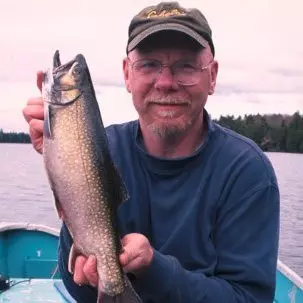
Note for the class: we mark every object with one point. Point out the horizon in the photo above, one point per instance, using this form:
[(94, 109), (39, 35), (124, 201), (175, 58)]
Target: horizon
[(242, 117)]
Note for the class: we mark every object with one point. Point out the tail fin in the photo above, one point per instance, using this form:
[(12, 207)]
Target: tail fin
[(128, 296)]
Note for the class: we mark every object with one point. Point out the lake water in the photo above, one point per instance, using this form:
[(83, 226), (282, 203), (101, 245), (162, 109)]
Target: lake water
[(25, 195)]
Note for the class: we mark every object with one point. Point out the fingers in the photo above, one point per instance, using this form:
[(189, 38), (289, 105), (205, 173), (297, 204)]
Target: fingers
[(39, 80), (90, 270), (85, 271), (133, 265), (36, 128), (34, 115), (127, 255), (36, 134), (34, 106), (137, 253), (127, 239), (123, 258), (129, 250), (33, 110), (130, 258), (79, 276), (35, 101)]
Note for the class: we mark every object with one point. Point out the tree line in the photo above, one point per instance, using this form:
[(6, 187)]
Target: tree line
[(273, 133), (14, 137)]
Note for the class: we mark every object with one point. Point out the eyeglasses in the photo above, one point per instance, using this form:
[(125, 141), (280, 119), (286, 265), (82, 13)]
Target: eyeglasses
[(184, 72)]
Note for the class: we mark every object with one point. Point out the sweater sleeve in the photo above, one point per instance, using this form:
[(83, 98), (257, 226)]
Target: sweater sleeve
[(246, 239)]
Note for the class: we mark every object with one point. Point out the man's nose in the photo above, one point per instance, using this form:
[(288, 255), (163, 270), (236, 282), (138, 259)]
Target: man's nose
[(165, 79)]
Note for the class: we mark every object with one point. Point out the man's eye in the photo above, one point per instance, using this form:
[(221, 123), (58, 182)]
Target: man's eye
[(147, 66), (185, 66)]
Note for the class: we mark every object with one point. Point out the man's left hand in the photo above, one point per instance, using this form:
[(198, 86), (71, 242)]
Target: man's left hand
[(137, 253)]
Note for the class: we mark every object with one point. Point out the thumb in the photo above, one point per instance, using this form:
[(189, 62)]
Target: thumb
[(40, 76)]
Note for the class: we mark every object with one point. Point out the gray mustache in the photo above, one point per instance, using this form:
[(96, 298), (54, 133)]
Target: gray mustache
[(167, 101)]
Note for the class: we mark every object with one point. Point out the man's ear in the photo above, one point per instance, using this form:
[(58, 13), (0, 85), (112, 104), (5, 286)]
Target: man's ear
[(126, 74), (213, 77)]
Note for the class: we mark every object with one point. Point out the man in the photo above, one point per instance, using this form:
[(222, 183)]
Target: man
[(202, 221)]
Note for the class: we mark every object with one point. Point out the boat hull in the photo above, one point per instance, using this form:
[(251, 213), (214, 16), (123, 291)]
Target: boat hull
[(29, 251)]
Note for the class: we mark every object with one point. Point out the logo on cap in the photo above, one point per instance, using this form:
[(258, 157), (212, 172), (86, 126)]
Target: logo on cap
[(164, 13)]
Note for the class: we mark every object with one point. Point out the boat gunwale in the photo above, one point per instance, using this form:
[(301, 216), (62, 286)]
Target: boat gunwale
[(290, 274), (7, 226)]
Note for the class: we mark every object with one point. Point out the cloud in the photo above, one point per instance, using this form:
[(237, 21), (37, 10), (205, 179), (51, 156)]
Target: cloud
[(254, 103), (289, 72), (238, 87), (259, 80), (258, 47)]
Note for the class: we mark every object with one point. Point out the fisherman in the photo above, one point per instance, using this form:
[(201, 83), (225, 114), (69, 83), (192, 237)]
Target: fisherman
[(202, 220)]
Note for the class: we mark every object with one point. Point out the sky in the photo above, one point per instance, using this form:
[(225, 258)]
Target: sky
[(259, 48)]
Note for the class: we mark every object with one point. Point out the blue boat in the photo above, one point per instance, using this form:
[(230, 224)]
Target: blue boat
[(28, 265), (28, 268)]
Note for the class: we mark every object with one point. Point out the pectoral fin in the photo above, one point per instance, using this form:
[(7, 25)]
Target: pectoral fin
[(58, 207), (47, 121), (74, 252)]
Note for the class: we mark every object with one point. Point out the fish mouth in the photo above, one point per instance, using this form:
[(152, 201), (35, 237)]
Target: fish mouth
[(62, 80), (59, 70), (58, 67), (69, 66)]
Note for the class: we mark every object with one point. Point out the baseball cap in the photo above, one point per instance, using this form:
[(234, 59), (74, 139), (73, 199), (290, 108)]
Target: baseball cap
[(169, 16)]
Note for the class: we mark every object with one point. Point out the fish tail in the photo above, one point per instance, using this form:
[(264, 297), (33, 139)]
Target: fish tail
[(128, 296), (100, 296)]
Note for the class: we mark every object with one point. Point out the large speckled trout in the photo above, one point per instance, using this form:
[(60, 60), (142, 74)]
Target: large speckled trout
[(86, 184)]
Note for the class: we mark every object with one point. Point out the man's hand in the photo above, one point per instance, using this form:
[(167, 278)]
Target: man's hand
[(34, 115), (85, 271), (137, 255)]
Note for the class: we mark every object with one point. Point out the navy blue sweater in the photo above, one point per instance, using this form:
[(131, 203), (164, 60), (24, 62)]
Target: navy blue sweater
[(212, 219)]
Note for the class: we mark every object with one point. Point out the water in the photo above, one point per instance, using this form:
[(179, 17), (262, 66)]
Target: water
[(25, 195), (24, 191), (289, 170)]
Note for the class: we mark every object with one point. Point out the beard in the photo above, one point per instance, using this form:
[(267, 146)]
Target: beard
[(169, 128), (169, 132), (169, 124)]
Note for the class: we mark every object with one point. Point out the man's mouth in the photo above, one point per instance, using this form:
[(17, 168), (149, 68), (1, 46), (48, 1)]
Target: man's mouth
[(169, 103)]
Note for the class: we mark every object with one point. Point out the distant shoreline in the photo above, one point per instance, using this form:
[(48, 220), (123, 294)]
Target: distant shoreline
[(272, 133), (15, 142)]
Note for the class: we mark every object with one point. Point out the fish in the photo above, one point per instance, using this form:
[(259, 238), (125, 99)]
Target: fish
[(86, 184)]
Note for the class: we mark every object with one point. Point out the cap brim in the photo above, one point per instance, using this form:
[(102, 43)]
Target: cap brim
[(162, 27)]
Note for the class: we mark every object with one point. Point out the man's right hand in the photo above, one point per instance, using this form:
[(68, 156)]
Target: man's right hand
[(85, 271), (33, 113)]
